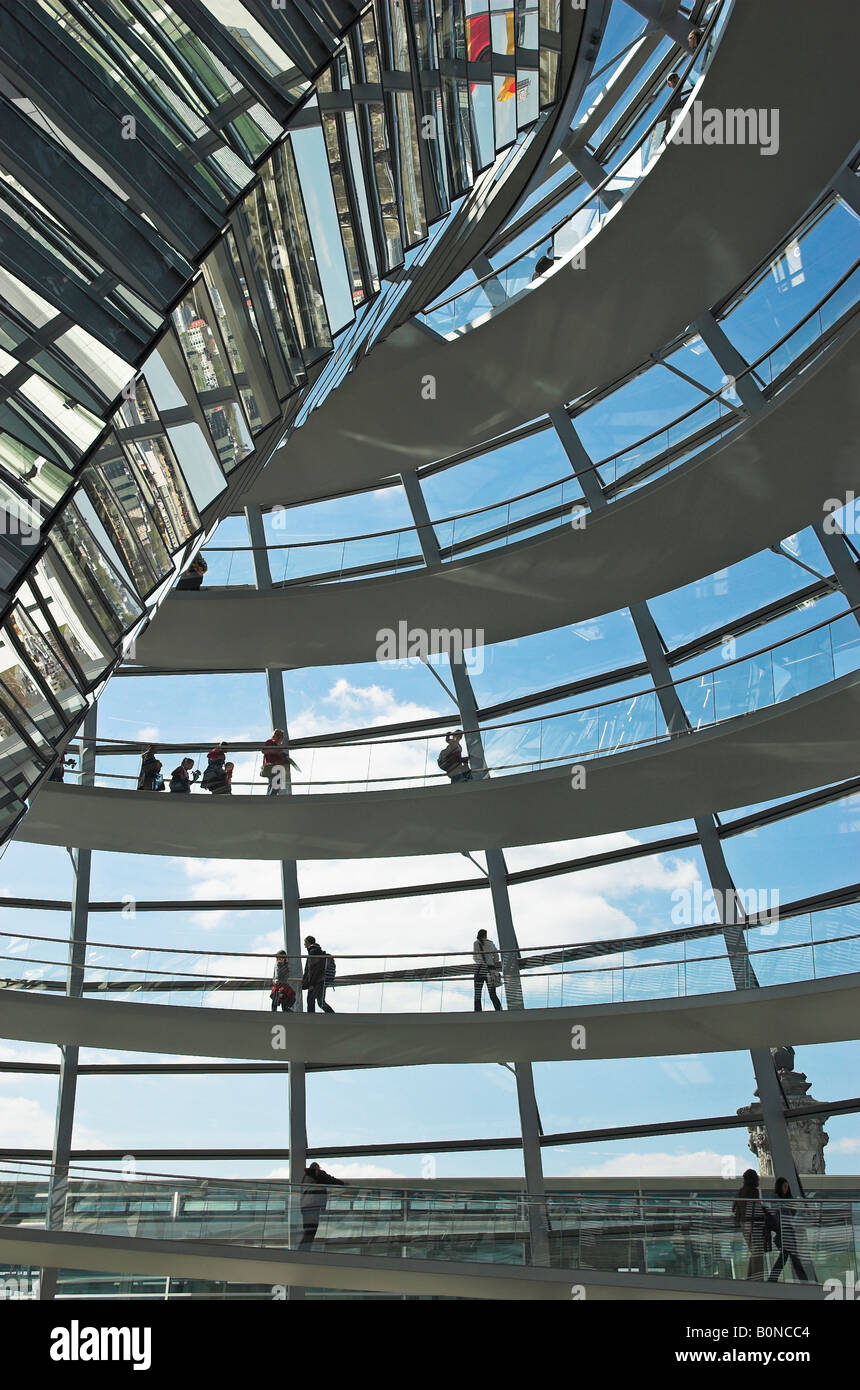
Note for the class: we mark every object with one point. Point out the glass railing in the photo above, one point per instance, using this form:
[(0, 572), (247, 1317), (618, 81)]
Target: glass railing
[(555, 505), (806, 661), (778, 951), (638, 1233), (635, 153)]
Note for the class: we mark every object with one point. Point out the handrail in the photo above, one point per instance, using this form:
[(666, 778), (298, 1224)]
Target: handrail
[(607, 946), (708, 398), (117, 747), (90, 1171), (380, 977)]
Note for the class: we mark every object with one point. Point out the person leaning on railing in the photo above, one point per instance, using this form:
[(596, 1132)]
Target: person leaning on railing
[(314, 1199), (452, 760), (193, 576), (275, 762), (150, 778), (750, 1214)]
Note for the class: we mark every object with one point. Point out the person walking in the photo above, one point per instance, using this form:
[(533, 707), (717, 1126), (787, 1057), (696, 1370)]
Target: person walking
[(785, 1234), (452, 760), (283, 996), (314, 1199), (313, 979), (276, 759), (750, 1216), (487, 970), (182, 777), (150, 778)]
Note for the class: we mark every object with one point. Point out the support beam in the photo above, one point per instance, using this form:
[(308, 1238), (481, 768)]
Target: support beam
[(498, 878), (731, 910), (492, 285), (291, 914), (64, 1122), (579, 459), (842, 561), (417, 505), (663, 14), (593, 174), (735, 367)]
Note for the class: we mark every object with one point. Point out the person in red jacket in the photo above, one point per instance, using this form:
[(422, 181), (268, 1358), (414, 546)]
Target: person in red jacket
[(275, 762)]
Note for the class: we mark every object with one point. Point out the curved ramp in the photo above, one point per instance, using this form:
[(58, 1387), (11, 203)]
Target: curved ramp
[(814, 1011), (240, 1264), (753, 489), (697, 225), (805, 742)]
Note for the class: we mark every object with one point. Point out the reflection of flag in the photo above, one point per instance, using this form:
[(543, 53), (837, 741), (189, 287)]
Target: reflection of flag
[(478, 47)]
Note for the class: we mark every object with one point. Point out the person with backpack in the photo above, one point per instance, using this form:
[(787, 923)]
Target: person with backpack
[(224, 785), (452, 760), (785, 1234), (314, 1199), (275, 762), (150, 778), (751, 1218), (487, 970), (314, 977), (182, 777), (213, 773), (283, 996)]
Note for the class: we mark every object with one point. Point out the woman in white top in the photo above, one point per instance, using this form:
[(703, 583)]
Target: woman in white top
[(487, 970)]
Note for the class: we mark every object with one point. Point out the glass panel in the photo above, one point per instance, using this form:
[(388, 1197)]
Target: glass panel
[(129, 526), (77, 623), (117, 608), (21, 683), (156, 466)]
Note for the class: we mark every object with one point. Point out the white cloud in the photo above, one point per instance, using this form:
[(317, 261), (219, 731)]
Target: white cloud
[(849, 1145), (34, 1052), (25, 1123), (702, 1163), (687, 1071)]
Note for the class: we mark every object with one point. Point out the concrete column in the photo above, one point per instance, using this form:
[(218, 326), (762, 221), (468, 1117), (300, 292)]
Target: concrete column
[(68, 1082), (290, 903)]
